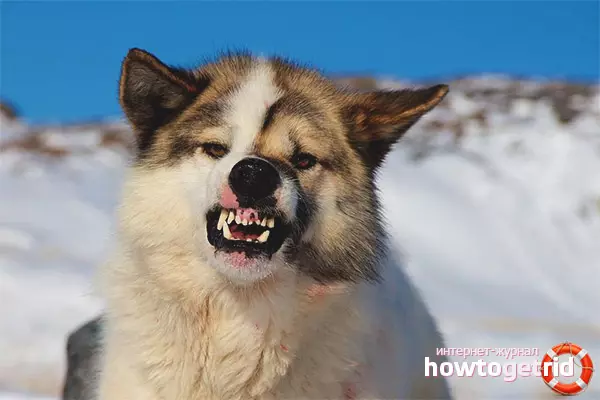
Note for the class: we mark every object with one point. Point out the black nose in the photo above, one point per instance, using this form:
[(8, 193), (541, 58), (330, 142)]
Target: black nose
[(254, 179)]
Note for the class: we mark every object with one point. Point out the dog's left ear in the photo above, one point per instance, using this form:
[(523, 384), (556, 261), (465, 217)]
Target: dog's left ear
[(378, 119), (152, 93)]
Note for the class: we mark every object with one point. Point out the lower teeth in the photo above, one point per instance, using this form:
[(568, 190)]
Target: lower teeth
[(261, 239)]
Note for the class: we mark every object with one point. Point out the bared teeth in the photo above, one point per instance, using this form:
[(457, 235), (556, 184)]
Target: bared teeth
[(222, 219), (229, 216), (263, 238), (226, 232)]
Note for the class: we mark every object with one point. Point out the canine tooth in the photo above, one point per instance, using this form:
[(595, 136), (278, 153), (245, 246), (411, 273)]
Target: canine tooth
[(231, 217), (271, 222), (244, 222), (265, 235), (226, 232), (263, 222), (222, 218), (238, 220)]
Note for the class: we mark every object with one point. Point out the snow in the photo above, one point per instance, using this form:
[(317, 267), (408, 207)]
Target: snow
[(55, 225), (500, 233), (504, 243), (21, 396)]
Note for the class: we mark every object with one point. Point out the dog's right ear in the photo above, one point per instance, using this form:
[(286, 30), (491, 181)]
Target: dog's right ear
[(152, 93)]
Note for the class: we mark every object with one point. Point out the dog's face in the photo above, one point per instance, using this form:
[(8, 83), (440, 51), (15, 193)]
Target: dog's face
[(273, 163)]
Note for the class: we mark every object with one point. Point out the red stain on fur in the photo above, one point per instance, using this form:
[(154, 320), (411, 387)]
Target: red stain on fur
[(318, 291), (349, 391), (350, 387), (228, 198), (283, 347)]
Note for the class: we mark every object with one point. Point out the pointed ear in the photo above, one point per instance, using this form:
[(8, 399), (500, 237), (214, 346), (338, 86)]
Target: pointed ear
[(152, 94), (378, 119)]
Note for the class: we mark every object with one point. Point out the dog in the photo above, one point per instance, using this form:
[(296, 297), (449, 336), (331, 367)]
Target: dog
[(252, 260)]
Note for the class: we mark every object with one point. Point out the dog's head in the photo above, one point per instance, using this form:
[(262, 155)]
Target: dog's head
[(271, 164)]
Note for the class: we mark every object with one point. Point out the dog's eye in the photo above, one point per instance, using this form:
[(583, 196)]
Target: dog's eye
[(304, 161), (215, 150)]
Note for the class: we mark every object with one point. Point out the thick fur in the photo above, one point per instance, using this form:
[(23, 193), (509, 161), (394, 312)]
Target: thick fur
[(330, 315)]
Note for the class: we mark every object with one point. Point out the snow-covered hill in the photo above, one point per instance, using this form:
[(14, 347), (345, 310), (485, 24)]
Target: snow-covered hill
[(494, 198)]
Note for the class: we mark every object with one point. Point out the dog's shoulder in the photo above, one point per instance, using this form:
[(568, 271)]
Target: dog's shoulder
[(403, 333)]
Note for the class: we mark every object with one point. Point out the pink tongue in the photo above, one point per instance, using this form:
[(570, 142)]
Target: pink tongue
[(248, 214), (243, 236)]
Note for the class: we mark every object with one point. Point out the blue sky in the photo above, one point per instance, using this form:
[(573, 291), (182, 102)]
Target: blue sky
[(60, 60)]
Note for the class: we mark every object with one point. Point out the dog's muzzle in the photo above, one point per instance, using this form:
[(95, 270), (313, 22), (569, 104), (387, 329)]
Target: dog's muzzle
[(247, 218)]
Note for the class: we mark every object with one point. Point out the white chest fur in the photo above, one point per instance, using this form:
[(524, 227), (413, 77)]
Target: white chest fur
[(286, 339)]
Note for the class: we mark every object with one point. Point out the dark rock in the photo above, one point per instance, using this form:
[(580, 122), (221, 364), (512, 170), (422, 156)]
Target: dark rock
[(8, 110), (83, 350)]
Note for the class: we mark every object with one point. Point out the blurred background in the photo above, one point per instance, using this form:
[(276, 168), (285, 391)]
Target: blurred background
[(494, 197)]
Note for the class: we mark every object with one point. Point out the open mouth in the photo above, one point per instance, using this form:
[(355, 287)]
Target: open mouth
[(254, 232)]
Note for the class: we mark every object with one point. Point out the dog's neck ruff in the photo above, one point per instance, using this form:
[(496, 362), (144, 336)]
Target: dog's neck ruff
[(251, 336)]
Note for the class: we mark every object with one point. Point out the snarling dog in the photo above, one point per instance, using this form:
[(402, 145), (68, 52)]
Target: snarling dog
[(252, 260)]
